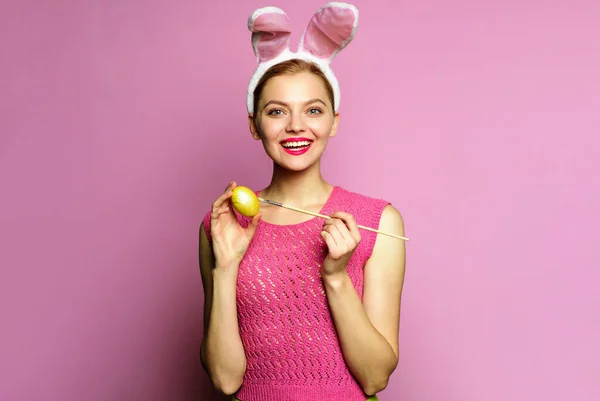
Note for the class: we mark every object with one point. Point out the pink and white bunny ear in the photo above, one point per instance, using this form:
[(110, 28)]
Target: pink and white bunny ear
[(270, 33), (330, 30)]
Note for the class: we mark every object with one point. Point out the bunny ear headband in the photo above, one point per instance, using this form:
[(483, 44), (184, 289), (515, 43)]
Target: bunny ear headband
[(330, 30)]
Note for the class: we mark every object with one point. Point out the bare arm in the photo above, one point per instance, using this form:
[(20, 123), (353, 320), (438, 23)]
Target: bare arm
[(368, 331), (222, 352)]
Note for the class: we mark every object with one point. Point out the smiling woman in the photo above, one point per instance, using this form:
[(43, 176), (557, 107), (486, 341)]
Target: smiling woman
[(299, 308)]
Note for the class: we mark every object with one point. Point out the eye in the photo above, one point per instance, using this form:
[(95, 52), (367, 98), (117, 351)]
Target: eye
[(314, 111), (275, 112)]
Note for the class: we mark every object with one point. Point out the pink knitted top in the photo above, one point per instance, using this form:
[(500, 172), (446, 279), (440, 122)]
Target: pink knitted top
[(286, 327)]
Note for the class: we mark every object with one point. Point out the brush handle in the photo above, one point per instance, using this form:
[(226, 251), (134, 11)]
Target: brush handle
[(328, 217)]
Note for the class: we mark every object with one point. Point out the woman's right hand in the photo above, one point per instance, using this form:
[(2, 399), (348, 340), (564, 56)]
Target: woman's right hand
[(230, 239)]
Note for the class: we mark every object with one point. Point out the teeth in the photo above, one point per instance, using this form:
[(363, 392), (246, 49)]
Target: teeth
[(295, 144)]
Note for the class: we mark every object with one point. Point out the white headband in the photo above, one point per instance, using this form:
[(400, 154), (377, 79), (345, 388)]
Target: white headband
[(330, 30)]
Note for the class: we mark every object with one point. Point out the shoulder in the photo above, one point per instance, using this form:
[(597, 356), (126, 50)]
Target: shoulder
[(373, 212), (389, 254), (367, 210), (391, 220), (360, 201)]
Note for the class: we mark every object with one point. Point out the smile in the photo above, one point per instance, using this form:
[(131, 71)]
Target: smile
[(296, 146)]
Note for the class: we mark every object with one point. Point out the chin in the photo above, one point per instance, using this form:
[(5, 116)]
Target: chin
[(294, 163), (297, 165)]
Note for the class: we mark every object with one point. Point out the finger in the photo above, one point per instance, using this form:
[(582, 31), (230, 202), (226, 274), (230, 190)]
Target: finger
[(222, 209), (328, 240), (337, 236), (329, 221), (218, 212), (251, 229), (345, 233), (347, 218), (351, 223), (222, 199), (341, 227)]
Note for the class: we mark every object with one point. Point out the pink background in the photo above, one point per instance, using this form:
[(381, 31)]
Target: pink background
[(120, 121)]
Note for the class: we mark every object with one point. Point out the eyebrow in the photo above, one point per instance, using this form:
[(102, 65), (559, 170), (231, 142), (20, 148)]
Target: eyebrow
[(285, 104)]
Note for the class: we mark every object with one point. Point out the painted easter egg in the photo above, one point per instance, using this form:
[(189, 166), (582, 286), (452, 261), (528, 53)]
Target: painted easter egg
[(244, 200)]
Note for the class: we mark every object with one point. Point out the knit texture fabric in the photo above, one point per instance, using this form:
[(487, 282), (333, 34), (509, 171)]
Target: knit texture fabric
[(289, 337)]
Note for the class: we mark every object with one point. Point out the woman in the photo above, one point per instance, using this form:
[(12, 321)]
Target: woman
[(296, 307)]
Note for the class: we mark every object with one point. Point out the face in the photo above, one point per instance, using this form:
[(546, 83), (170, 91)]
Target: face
[(294, 120)]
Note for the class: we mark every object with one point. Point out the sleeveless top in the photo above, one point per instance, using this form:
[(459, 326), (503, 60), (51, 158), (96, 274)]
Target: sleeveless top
[(286, 327)]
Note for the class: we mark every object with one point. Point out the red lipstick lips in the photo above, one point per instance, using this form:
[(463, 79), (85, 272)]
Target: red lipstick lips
[(296, 146)]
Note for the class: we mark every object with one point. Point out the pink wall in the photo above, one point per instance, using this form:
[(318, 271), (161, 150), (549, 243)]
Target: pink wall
[(120, 122)]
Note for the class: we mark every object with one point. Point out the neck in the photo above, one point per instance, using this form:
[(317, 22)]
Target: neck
[(297, 188)]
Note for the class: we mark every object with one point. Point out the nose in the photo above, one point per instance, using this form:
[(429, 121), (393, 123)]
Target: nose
[(296, 123)]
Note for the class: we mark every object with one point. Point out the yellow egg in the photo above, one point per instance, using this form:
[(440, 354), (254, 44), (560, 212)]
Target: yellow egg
[(244, 200)]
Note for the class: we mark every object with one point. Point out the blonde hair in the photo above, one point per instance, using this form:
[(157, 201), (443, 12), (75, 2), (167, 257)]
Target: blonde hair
[(291, 67)]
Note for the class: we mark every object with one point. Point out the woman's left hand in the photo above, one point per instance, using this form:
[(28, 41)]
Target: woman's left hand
[(341, 235)]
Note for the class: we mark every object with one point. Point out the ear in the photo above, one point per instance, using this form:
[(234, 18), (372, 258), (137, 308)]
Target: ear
[(330, 30), (334, 127), (270, 33), (253, 130)]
